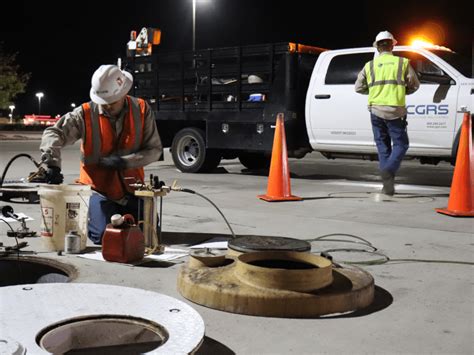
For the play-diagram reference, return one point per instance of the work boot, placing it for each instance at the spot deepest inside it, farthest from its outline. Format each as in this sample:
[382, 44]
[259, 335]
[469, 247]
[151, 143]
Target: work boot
[388, 180]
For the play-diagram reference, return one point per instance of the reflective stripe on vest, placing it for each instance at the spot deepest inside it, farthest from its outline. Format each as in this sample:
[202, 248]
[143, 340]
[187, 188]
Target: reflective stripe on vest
[100, 140]
[137, 123]
[96, 136]
[385, 78]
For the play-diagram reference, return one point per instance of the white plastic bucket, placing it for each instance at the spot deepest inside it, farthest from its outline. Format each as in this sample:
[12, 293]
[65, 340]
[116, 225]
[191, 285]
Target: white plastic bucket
[63, 208]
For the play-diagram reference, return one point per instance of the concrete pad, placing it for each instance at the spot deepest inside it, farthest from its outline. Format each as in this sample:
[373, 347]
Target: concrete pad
[420, 307]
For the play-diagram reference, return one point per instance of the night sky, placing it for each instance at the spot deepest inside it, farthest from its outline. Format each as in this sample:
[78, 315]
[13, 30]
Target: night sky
[62, 43]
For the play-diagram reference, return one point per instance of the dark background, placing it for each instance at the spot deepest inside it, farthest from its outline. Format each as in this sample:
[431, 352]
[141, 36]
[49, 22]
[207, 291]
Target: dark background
[62, 43]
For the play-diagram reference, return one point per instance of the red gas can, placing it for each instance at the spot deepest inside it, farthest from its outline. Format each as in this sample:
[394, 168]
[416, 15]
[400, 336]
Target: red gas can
[124, 243]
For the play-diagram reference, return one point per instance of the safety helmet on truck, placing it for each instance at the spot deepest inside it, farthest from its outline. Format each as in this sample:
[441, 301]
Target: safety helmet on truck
[383, 36]
[254, 79]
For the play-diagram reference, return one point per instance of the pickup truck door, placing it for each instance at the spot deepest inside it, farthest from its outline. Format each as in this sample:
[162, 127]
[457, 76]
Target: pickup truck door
[431, 109]
[336, 116]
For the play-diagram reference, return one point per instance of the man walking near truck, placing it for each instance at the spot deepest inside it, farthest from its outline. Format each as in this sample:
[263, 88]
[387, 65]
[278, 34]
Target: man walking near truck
[387, 79]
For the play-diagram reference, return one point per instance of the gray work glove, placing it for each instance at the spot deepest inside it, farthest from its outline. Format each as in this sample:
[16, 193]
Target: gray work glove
[54, 176]
[46, 158]
[112, 161]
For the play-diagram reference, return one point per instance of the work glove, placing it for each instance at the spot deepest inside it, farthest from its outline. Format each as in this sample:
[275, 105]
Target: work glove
[112, 162]
[46, 158]
[53, 175]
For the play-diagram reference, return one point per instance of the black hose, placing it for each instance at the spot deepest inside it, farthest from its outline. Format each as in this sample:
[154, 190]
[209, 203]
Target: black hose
[381, 257]
[12, 160]
[189, 191]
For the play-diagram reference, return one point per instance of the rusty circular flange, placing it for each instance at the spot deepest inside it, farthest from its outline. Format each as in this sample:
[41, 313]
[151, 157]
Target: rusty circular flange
[284, 270]
[227, 289]
[251, 243]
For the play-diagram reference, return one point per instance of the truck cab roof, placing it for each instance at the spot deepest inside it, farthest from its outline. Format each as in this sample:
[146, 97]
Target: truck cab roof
[461, 65]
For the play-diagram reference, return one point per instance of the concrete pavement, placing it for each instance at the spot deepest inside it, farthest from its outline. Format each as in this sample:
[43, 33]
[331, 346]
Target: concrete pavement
[20, 135]
[420, 307]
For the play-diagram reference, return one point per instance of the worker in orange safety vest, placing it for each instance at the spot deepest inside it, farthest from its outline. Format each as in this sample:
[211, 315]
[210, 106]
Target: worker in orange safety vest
[119, 137]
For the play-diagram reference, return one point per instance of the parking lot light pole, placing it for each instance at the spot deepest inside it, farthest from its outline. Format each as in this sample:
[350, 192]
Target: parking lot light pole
[194, 21]
[11, 107]
[39, 95]
[194, 25]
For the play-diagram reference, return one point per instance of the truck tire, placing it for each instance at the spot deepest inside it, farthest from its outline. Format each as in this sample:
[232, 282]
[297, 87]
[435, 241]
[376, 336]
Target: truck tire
[454, 150]
[189, 152]
[254, 160]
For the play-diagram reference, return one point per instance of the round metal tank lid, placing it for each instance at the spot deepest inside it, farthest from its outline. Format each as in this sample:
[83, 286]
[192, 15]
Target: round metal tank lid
[252, 243]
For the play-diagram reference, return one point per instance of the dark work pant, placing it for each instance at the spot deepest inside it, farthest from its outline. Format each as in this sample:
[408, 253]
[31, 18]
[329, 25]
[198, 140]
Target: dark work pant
[101, 209]
[391, 139]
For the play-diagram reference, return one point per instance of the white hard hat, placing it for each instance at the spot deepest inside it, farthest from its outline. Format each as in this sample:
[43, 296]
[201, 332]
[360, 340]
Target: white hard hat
[109, 84]
[254, 79]
[384, 35]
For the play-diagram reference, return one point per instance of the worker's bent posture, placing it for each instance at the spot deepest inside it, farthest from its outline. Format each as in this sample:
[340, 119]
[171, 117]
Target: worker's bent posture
[119, 137]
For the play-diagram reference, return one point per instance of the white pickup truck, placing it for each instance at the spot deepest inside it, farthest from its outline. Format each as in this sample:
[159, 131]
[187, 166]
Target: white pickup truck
[222, 103]
[338, 121]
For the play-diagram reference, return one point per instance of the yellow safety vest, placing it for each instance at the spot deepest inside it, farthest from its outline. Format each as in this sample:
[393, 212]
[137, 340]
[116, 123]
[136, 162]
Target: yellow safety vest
[386, 80]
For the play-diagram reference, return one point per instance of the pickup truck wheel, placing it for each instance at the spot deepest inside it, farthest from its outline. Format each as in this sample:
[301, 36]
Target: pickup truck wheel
[189, 152]
[454, 150]
[254, 160]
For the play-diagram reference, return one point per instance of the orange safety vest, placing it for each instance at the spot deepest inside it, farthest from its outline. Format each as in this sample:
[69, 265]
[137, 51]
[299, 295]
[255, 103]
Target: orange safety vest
[99, 140]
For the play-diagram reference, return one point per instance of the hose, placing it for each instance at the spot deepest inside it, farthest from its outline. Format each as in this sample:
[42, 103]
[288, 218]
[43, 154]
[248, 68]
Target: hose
[381, 257]
[12, 160]
[189, 191]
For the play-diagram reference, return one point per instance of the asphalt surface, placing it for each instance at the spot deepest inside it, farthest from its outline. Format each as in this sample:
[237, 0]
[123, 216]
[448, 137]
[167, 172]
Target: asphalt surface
[421, 307]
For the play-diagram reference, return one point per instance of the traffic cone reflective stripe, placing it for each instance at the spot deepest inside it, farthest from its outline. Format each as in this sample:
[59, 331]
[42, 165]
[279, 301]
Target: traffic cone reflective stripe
[279, 187]
[461, 196]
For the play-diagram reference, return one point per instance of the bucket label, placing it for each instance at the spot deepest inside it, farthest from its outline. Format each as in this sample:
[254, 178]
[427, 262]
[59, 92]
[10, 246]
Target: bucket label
[72, 215]
[47, 221]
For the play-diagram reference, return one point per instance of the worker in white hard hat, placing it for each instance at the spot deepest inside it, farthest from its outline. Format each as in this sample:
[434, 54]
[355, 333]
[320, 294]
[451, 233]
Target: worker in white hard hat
[119, 137]
[387, 79]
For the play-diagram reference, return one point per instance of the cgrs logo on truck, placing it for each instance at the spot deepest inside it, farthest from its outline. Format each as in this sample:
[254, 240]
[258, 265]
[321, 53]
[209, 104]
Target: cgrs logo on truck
[428, 109]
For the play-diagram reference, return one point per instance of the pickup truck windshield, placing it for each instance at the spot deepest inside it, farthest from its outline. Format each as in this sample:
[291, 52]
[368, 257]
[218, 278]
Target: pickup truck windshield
[459, 62]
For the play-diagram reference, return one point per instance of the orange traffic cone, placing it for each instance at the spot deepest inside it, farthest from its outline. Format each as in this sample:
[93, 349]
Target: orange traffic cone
[461, 197]
[279, 188]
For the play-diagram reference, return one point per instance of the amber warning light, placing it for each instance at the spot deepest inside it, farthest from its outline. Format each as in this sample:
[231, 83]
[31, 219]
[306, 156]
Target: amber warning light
[422, 43]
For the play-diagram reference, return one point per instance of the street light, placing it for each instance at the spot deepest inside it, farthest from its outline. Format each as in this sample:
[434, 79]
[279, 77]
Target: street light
[11, 107]
[39, 95]
[73, 105]
[194, 25]
[194, 21]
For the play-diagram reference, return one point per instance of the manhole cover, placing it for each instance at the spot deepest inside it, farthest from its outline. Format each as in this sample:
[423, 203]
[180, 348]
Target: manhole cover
[252, 243]
[74, 318]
